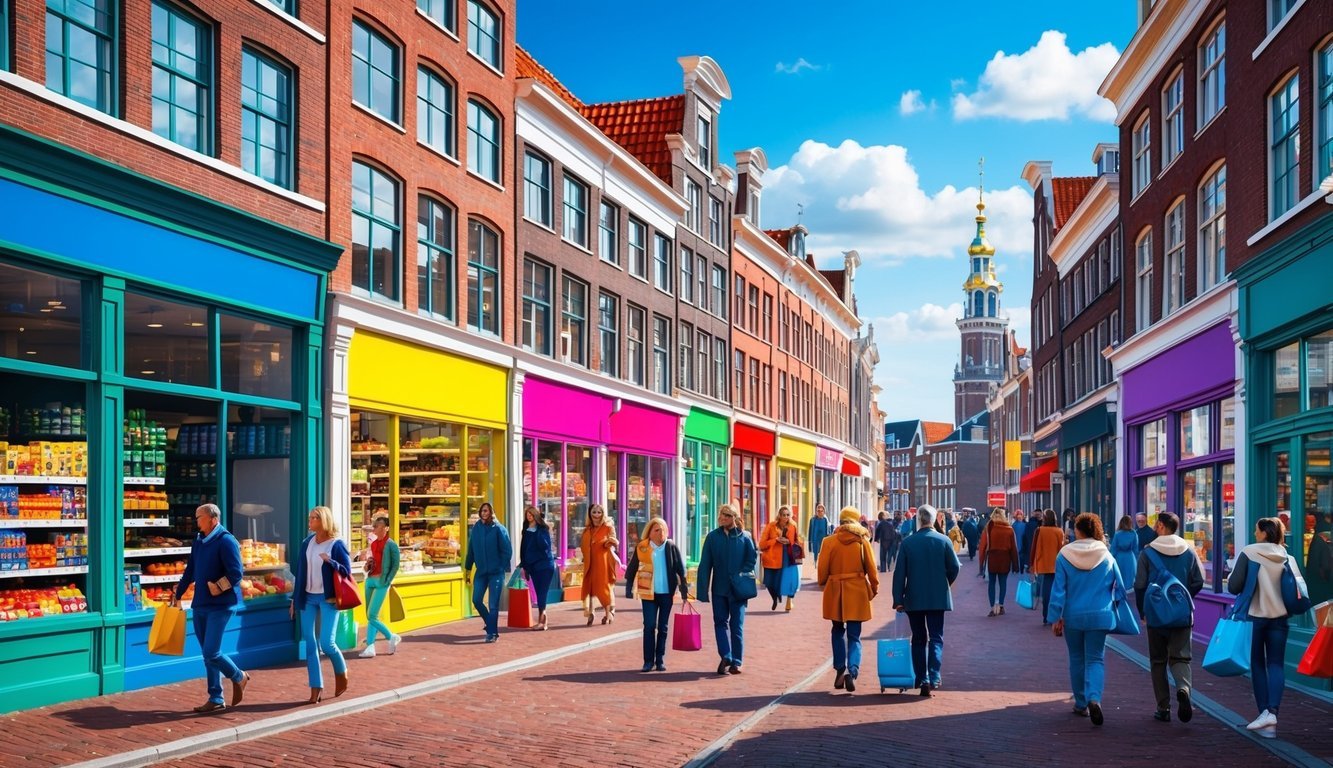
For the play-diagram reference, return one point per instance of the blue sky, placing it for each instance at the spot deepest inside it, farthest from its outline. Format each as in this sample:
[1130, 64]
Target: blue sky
[873, 119]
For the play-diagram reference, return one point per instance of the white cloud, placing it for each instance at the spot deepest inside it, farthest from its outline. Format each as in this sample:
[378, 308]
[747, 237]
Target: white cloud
[870, 198]
[911, 102]
[796, 67]
[1045, 82]
[925, 323]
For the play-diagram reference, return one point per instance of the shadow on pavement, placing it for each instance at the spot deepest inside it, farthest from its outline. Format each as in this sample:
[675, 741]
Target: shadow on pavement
[622, 676]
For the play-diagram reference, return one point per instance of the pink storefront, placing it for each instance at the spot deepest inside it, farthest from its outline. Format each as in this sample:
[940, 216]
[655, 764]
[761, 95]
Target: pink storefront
[581, 448]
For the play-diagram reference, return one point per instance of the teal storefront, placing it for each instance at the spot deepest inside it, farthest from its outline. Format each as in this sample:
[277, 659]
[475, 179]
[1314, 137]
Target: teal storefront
[1286, 323]
[707, 436]
[158, 350]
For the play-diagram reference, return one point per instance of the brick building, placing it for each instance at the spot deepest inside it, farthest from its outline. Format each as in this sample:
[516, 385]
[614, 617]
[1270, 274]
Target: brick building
[1010, 407]
[905, 483]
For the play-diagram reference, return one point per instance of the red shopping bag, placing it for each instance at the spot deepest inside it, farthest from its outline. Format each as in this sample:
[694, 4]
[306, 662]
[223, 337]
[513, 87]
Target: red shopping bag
[345, 594]
[1318, 658]
[520, 609]
[687, 634]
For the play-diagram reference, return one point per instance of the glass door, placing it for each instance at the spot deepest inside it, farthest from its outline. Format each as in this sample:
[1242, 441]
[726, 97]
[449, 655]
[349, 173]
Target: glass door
[1315, 531]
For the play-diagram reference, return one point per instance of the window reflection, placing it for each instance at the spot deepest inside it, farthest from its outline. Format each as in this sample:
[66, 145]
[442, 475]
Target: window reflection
[41, 317]
[166, 341]
[256, 357]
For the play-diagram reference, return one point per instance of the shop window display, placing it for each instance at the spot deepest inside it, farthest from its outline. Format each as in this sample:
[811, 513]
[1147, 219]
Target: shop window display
[1315, 534]
[556, 480]
[749, 488]
[256, 357]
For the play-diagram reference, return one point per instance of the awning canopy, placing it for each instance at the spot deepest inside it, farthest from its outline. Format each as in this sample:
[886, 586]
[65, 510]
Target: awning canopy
[1038, 479]
[850, 467]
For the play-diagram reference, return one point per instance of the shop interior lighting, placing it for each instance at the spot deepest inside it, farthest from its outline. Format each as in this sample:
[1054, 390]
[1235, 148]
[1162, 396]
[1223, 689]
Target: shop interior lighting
[152, 319]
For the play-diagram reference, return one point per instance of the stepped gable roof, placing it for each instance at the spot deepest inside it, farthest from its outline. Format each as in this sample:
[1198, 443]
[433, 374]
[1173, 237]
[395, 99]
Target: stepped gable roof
[1068, 192]
[936, 431]
[527, 66]
[641, 126]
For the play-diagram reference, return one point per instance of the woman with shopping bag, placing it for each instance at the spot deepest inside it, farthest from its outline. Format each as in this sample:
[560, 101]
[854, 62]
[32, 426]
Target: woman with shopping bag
[536, 559]
[322, 561]
[381, 568]
[655, 573]
[600, 564]
[848, 576]
[782, 551]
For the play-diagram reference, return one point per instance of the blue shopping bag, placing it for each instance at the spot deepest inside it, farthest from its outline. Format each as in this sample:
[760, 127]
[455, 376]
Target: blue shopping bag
[1228, 651]
[1026, 595]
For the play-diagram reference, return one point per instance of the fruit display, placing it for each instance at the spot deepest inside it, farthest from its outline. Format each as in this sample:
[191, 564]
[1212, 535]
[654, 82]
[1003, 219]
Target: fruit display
[137, 541]
[368, 445]
[411, 562]
[259, 554]
[41, 458]
[263, 585]
[152, 595]
[443, 545]
[34, 603]
[145, 446]
[165, 569]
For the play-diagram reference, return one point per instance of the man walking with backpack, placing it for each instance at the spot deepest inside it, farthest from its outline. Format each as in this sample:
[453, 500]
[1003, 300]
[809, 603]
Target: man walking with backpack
[1168, 578]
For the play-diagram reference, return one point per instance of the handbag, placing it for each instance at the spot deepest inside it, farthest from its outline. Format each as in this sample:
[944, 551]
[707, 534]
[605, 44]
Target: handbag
[795, 552]
[396, 611]
[1317, 661]
[744, 587]
[687, 633]
[1228, 653]
[345, 594]
[1027, 595]
[1125, 621]
[167, 635]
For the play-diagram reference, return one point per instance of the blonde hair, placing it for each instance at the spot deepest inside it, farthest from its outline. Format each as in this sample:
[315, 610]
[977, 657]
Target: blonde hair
[998, 514]
[656, 522]
[326, 520]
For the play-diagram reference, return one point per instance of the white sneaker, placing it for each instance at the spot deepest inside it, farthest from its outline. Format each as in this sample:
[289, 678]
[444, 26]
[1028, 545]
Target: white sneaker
[1265, 719]
[1267, 733]
[368, 653]
[393, 643]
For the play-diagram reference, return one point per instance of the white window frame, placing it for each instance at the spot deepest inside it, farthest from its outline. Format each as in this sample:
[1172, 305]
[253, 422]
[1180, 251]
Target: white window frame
[1212, 97]
[1143, 280]
[1173, 267]
[694, 196]
[574, 199]
[1212, 266]
[1141, 142]
[1173, 118]
[534, 194]
[1277, 13]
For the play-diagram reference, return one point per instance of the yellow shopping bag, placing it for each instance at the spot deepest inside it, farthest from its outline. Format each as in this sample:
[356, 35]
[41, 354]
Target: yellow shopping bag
[396, 612]
[167, 637]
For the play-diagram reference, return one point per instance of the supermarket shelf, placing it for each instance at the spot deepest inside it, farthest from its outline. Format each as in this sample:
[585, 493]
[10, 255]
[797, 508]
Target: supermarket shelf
[145, 481]
[170, 578]
[143, 522]
[402, 520]
[373, 474]
[254, 568]
[451, 451]
[384, 452]
[370, 495]
[41, 480]
[453, 496]
[424, 474]
[63, 571]
[156, 552]
[14, 522]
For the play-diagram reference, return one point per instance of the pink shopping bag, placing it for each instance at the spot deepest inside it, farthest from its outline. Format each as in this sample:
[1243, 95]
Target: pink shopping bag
[687, 634]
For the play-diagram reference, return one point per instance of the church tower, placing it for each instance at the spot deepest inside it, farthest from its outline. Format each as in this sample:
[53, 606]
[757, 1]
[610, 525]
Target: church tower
[982, 326]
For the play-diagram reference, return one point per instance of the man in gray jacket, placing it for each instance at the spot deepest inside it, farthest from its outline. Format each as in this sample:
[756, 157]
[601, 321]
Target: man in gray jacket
[1169, 646]
[927, 567]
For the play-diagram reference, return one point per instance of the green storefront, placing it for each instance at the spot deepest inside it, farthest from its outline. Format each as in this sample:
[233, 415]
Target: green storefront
[158, 350]
[705, 462]
[1286, 323]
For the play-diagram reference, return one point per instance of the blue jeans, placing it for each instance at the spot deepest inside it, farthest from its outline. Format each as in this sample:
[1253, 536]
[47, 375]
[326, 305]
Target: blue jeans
[209, 627]
[541, 584]
[656, 620]
[847, 647]
[1047, 581]
[376, 594]
[1087, 664]
[317, 609]
[1003, 580]
[1268, 654]
[927, 645]
[488, 586]
[729, 628]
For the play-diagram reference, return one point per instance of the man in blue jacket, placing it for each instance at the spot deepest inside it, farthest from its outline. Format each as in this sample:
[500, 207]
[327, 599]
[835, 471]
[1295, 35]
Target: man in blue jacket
[927, 567]
[1169, 646]
[488, 549]
[726, 575]
[818, 530]
[214, 568]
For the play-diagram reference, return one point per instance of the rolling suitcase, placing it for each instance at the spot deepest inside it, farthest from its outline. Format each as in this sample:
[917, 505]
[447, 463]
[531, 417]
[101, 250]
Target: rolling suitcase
[893, 657]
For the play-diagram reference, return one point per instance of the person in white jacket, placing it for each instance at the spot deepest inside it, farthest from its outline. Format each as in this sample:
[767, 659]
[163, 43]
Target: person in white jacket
[1268, 616]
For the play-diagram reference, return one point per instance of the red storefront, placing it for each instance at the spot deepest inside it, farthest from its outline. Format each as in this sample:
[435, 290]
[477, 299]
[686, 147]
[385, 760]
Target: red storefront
[752, 450]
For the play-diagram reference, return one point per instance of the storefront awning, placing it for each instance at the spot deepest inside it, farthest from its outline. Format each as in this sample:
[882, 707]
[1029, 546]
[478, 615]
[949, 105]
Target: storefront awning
[850, 467]
[1038, 479]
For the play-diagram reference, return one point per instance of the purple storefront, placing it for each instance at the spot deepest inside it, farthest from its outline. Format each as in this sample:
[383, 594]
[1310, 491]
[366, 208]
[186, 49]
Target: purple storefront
[1179, 410]
[581, 448]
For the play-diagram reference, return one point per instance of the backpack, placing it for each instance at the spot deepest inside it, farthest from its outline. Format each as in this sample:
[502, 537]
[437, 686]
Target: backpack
[1166, 602]
[1295, 595]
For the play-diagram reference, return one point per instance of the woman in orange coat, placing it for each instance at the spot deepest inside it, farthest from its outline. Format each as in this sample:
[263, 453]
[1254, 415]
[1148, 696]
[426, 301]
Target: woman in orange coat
[848, 575]
[599, 564]
[999, 548]
[1046, 544]
[782, 574]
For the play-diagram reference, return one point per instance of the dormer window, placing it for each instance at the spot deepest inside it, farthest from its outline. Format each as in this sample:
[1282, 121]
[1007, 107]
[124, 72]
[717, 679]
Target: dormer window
[705, 139]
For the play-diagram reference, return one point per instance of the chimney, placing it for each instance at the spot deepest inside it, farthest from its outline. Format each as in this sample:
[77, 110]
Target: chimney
[1106, 156]
[850, 261]
[751, 164]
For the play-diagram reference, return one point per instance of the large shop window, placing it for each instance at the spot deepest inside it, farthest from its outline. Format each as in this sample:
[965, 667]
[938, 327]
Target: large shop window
[556, 480]
[166, 341]
[646, 481]
[1299, 477]
[749, 488]
[793, 484]
[705, 491]
[41, 318]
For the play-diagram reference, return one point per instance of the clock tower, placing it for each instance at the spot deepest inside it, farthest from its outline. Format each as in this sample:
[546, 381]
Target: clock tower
[982, 327]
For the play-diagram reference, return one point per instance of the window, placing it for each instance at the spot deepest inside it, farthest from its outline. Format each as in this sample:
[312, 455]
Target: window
[738, 377]
[182, 78]
[536, 307]
[768, 317]
[739, 310]
[687, 275]
[701, 272]
[435, 258]
[1278, 10]
[375, 231]
[635, 359]
[754, 385]
[754, 309]
[483, 142]
[1173, 294]
[1213, 229]
[608, 233]
[483, 278]
[80, 60]
[715, 216]
[782, 396]
[439, 11]
[575, 320]
[719, 297]
[483, 33]
[1213, 74]
[694, 199]
[766, 386]
[575, 218]
[608, 331]
[720, 368]
[662, 262]
[1285, 147]
[784, 331]
[1324, 112]
[686, 365]
[537, 188]
[661, 355]
[435, 112]
[374, 72]
[287, 6]
[705, 139]
[1142, 145]
[703, 348]
[638, 248]
[1173, 119]
[5, 14]
[1143, 284]
[266, 119]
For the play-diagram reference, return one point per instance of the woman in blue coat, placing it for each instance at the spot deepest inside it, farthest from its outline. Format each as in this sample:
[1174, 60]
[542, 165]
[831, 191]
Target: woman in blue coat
[1125, 549]
[322, 554]
[535, 558]
[1081, 609]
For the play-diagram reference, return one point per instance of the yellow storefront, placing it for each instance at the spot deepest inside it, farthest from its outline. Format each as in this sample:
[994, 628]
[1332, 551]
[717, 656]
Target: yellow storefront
[796, 461]
[427, 449]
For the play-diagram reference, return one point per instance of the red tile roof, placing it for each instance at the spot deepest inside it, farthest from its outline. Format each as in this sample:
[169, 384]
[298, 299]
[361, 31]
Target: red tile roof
[837, 280]
[641, 127]
[1068, 192]
[782, 237]
[526, 66]
[936, 431]
[1013, 345]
